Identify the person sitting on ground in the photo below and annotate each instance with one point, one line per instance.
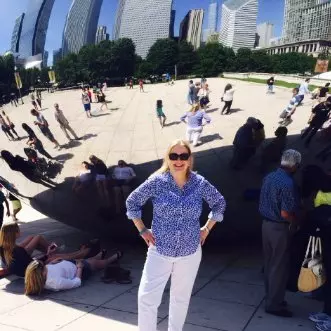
(123, 176)
(243, 144)
(273, 151)
(16, 257)
(63, 274)
(83, 178)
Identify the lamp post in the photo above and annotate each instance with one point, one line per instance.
(19, 89)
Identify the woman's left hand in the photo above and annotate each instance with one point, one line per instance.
(203, 235)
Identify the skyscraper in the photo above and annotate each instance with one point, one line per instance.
(306, 19)
(172, 24)
(191, 27)
(45, 59)
(81, 25)
(57, 55)
(144, 22)
(101, 34)
(212, 20)
(266, 32)
(34, 28)
(238, 26)
(15, 39)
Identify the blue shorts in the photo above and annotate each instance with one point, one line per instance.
(87, 107)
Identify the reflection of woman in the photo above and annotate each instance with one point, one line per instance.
(34, 141)
(101, 173)
(123, 176)
(83, 177)
(28, 169)
(228, 99)
(317, 184)
(195, 118)
(175, 239)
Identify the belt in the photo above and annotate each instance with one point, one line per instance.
(273, 221)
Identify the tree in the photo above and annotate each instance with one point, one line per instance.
(261, 61)
(187, 58)
(68, 69)
(244, 62)
(163, 56)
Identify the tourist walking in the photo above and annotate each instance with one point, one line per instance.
(141, 85)
(228, 99)
(196, 92)
(270, 84)
(204, 96)
(101, 173)
(44, 127)
(13, 99)
(34, 142)
(3, 200)
(38, 97)
(33, 100)
(159, 112)
(195, 124)
(64, 123)
(10, 124)
(89, 93)
(287, 113)
(320, 114)
(303, 90)
(102, 100)
(191, 92)
(6, 129)
(175, 239)
(87, 103)
(131, 84)
(279, 207)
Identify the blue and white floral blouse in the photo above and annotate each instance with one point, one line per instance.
(176, 211)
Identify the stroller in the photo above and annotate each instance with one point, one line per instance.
(48, 169)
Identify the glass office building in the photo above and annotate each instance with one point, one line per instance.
(15, 39)
(81, 25)
(34, 28)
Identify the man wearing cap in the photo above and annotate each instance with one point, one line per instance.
(279, 206)
(64, 123)
(320, 114)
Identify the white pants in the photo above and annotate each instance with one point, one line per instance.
(193, 134)
(157, 270)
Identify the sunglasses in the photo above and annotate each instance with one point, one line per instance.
(182, 157)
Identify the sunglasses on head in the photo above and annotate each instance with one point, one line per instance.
(182, 157)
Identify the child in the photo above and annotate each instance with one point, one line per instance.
(160, 113)
(290, 109)
(141, 85)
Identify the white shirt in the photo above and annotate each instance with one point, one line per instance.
(303, 89)
(123, 173)
(228, 95)
(62, 276)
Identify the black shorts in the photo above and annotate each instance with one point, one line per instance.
(87, 270)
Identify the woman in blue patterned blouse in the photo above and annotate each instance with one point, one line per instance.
(175, 239)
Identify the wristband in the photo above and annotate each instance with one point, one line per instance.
(143, 231)
(206, 228)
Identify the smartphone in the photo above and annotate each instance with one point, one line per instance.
(53, 246)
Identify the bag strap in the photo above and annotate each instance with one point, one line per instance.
(318, 247)
(308, 247)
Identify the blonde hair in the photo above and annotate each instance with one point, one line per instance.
(195, 108)
(34, 278)
(165, 165)
(8, 235)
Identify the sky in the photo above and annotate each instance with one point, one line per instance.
(269, 11)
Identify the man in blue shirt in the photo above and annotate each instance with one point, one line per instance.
(279, 204)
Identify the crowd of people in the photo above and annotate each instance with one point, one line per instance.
(177, 193)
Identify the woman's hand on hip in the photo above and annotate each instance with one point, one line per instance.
(149, 238)
(203, 235)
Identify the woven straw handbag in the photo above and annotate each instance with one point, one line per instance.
(312, 273)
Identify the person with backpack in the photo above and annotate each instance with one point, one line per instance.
(270, 83)
(87, 103)
(44, 127)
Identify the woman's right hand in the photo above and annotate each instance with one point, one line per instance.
(149, 238)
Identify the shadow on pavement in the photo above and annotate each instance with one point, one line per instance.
(172, 123)
(88, 136)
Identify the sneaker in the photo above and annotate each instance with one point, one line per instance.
(319, 317)
(323, 326)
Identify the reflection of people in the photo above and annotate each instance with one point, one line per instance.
(64, 123)
(101, 172)
(34, 142)
(174, 242)
(195, 119)
(28, 169)
(62, 274)
(123, 176)
(44, 127)
(16, 205)
(279, 207)
(83, 178)
(3, 200)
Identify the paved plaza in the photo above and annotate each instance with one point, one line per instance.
(227, 296)
(131, 131)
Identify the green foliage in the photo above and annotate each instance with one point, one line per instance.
(163, 56)
(187, 58)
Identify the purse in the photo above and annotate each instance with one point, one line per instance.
(312, 273)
